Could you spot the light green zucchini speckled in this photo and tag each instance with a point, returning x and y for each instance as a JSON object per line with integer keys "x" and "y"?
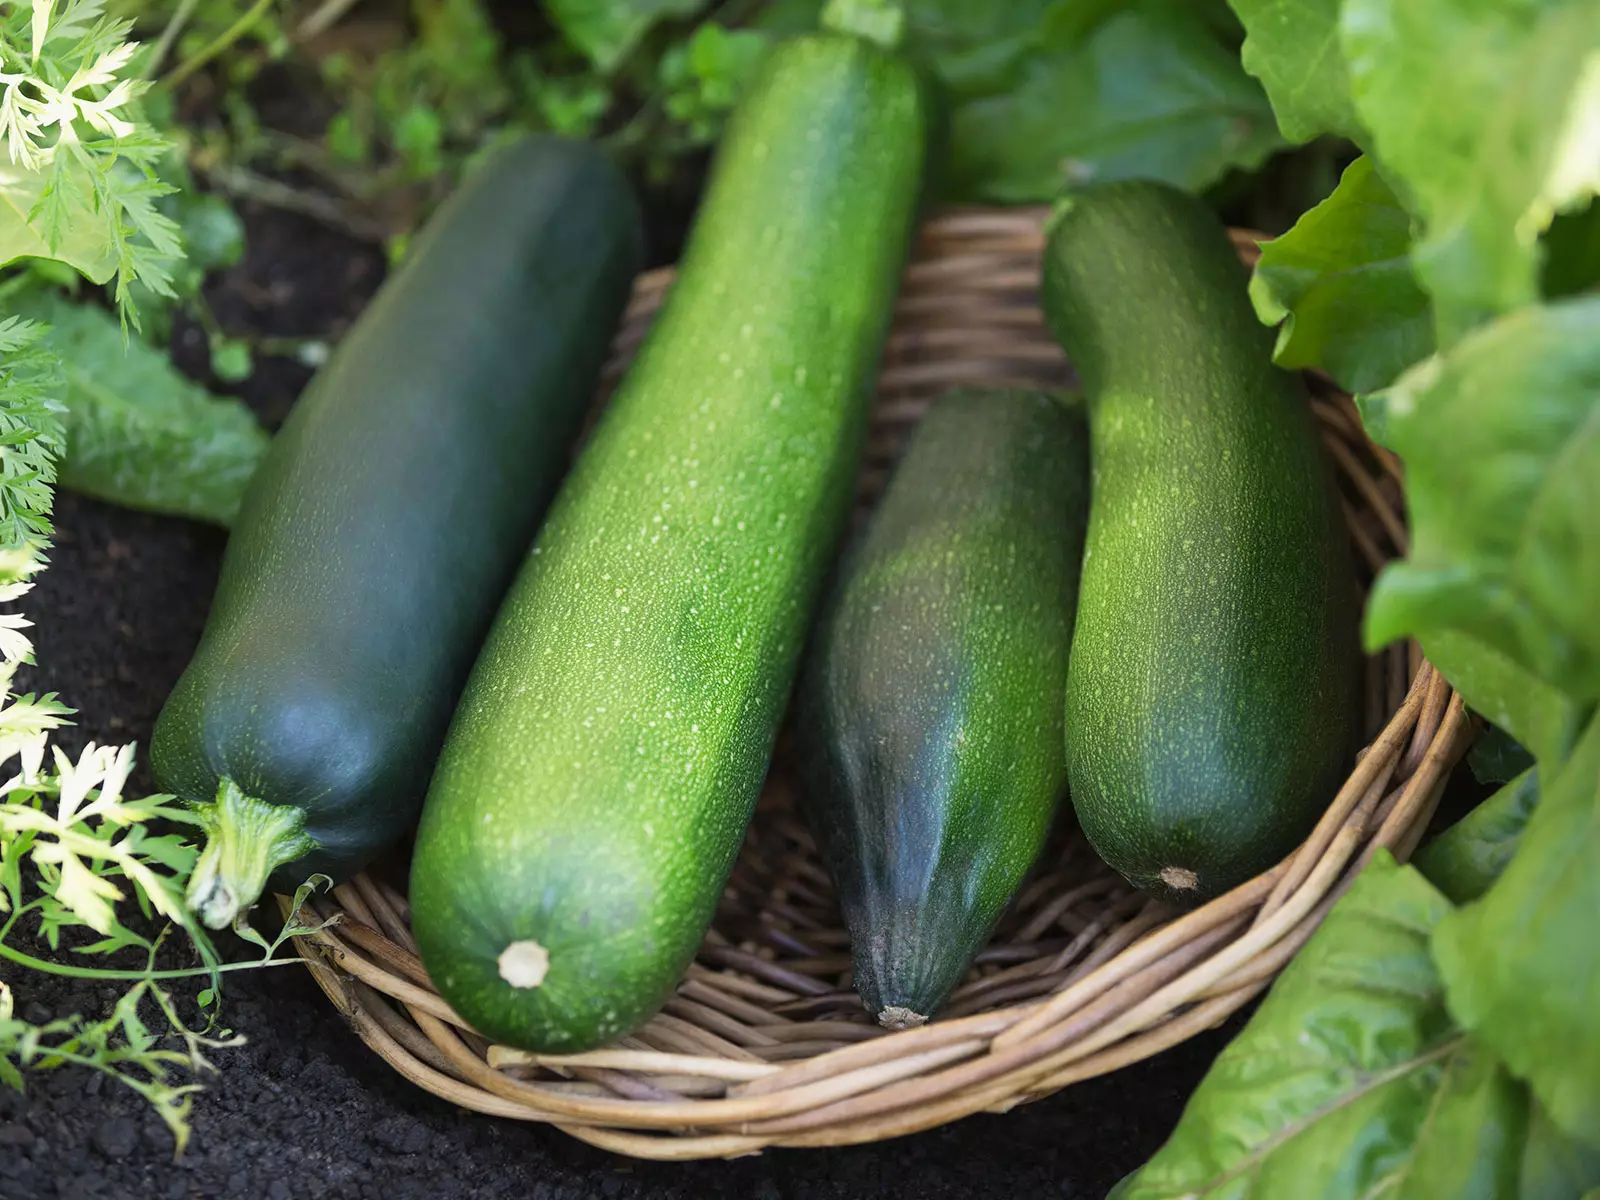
{"x": 1211, "y": 693}
{"x": 608, "y": 751}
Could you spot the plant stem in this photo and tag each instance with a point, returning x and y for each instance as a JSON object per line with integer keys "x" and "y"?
{"x": 169, "y": 35}
{"x": 54, "y": 968}
{"x": 246, "y": 841}
{"x": 227, "y": 38}
{"x": 324, "y": 18}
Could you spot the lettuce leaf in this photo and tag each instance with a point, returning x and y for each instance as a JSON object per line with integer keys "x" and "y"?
{"x": 1142, "y": 90}
{"x": 1501, "y": 438}
{"x": 1292, "y": 46}
{"x": 1522, "y": 965}
{"x": 1351, "y": 1075}
{"x": 1340, "y": 282}
{"x": 1483, "y": 116}
{"x": 1464, "y": 861}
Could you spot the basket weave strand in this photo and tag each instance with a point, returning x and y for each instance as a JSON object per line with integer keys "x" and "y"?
{"x": 764, "y": 1042}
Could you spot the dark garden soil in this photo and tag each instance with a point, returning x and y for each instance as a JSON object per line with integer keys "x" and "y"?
{"x": 304, "y": 1109}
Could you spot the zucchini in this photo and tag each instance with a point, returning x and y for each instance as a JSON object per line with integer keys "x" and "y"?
{"x": 930, "y": 717}
{"x": 1211, "y": 699}
{"x": 607, "y": 753}
{"x": 386, "y": 521}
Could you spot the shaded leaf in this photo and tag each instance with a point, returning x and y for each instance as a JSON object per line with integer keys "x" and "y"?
{"x": 1522, "y": 965}
{"x": 139, "y": 433}
{"x": 1341, "y": 284}
{"x": 1571, "y": 248}
{"x": 1506, "y": 548}
{"x": 1351, "y": 1075}
{"x": 607, "y": 30}
{"x": 1483, "y": 117}
{"x": 1292, "y": 46}
{"x": 1465, "y": 860}
{"x": 1147, "y": 92}
{"x": 1497, "y": 757}
{"x": 1554, "y": 1166}
{"x": 1510, "y": 697}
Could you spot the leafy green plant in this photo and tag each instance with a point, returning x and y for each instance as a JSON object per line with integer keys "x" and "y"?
{"x": 1351, "y": 1078}
{"x": 76, "y": 855}
{"x": 78, "y": 177}
{"x": 1472, "y": 1064}
{"x": 137, "y": 432}
{"x": 72, "y": 846}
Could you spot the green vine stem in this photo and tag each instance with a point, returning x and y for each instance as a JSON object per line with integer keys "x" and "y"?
{"x": 225, "y": 39}
{"x": 12, "y": 954}
{"x": 246, "y": 841}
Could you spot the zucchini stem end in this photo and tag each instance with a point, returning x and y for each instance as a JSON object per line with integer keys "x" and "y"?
{"x": 246, "y": 841}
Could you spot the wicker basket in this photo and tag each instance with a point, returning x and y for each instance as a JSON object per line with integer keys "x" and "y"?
{"x": 764, "y": 1042}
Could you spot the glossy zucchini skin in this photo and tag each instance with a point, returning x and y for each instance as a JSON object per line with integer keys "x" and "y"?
{"x": 1211, "y": 700}
{"x": 930, "y": 720}
{"x": 393, "y": 510}
{"x": 609, "y": 748}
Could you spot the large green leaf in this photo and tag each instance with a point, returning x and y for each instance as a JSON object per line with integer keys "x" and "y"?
{"x": 1464, "y": 861}
{"x": 1292, "y": 46}
{"x": 1484, "y": 116}
{"x": 84, "y": 244}
{"x": 1501, "y": 438}
{"x": 1522, "y": 965}
{"x": 1541, "y": 717}
{"x": 1350, "y": 1080}
{"x": 1147, "y": 91}
{"x": 1341, "y": 284}
{"x": 137, "y": 432}
{"x": 606, "y": 30}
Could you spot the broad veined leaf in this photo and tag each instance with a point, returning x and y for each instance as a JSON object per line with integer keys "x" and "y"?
{"x": 84, "y": 244}
{"x": 1486, "y": 117}
{"x": 606, "y": 30}
{"x": 1522, "y": 965}
{"x": 1541, "y": 717}
{"x": 1501, "y": 437}
{"x": 1148, "y": 91}
{"x": 1292, "y": 46}
{"x": 1350, "y": 1075}
{"x": 137, "y": 432}
{"x": 974, "y": 48}
{"x": 1464, "y": 861}
{"x": 1341, "y": 284}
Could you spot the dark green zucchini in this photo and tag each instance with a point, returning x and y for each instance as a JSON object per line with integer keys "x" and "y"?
{"x": 930, "y": 717}
{"x": 386, "y": 522}
{"x": 602, "y": 768}
{"x": 1211, "y": 700}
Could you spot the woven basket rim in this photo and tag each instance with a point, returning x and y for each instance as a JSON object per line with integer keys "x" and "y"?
{"x": 737, "y": 1062}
